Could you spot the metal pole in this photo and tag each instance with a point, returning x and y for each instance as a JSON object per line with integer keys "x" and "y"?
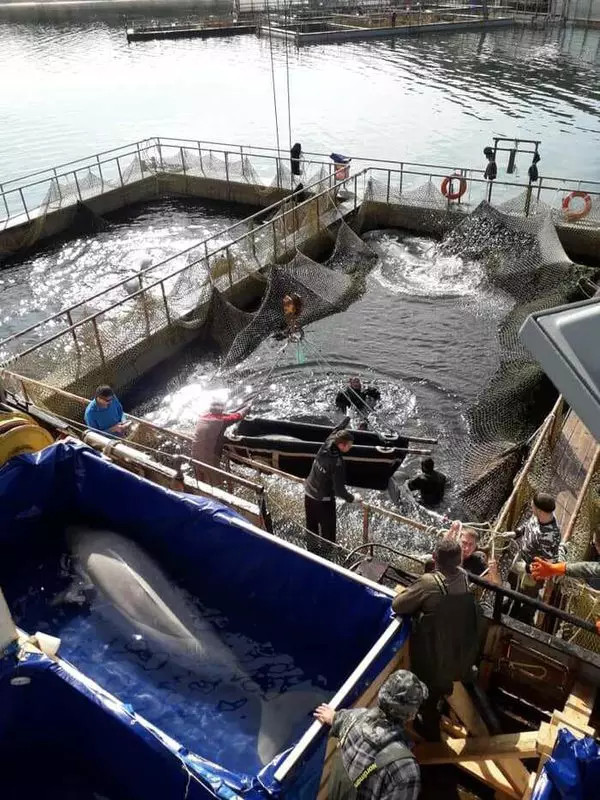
{"x": 274, "y": 240}
{"x": 5, "y": 203}
{"x": 164, "y": 295}
{"x": 120, "y": 173}
{"x": 366, "y": 515}
{"x": 228, "y": 257}
{"x": 401, "y": 177}
{"x": 182, "y": 160}
{"x": 200, "y": 156}
{"x": 72, "y": 326}
{"x": 143, "y": 299}
{"x": 355, "y": 192}
{"x": 227, "y": 167}
{"x": 98, "y": 342}
{"x": 24, "y": 203}
{"x": 387, "y": 196}
{"x": 77, "y": 187}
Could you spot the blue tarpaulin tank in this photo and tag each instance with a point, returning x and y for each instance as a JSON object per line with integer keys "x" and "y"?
{"x": 113, "y": 719}
{"x": 572, "y": 772}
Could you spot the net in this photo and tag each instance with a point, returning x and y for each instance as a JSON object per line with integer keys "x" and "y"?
{"x": 526, "y": 261}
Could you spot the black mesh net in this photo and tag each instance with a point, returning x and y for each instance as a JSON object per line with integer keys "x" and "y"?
{"x": 524, "y": 259}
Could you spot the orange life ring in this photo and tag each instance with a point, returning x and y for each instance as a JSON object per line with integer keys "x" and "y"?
{"x": 571, "y": 216}
{"x": 446, "y": 183}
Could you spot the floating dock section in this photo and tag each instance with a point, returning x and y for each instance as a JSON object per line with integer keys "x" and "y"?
{"x": 187, "y": 32}
{"x": 393, "y": 23}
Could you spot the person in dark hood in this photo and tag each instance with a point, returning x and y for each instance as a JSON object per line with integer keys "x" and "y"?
{"x": 373, "y": 760}
{"x": 295, "y": 158}
{"x": 326, "y": 481}
{"x": 430, "y": 483}
{"x": 355, "y": 395}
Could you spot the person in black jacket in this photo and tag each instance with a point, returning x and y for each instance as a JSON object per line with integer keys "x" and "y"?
{"x": 326, "y": 481}
{"x": 354, "y": 395}
{"x": 430, "y": 484}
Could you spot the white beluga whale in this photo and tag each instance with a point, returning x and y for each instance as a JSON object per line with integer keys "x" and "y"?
{"x": 136, "y": 597}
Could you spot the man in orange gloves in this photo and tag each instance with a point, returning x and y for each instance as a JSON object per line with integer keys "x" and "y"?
{"x": 588, "y": 571}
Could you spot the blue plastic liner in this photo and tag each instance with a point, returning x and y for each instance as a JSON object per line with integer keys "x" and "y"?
{"x": 326, "y": 619}
{"x": 573, "y": 770}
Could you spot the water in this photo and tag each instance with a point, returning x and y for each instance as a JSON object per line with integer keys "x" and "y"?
{"x": 425, "y": 329}
{"x": 70, "y": 270}
{"x": 213, "y": 713}
{"x": 74, "y": 88}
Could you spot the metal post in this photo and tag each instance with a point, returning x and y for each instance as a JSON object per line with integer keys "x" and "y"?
{"x": 100, "y": 169}
{"x": 200, "y": 156}
{"x": 228, "y": 257}
{"x": 5, "y": 203}
{"x": 274, "y": 240}
{"x": 387, "y": 197}
{"x": 120, "y": 173}
{"x": 498, "y": 602}
{"x": 140, "y": 159}
{"x": 366, "y": 516}
{"x": 24, "y": 203}
{"x": 77, "y": 186}
{"x": 528, "y": 200}
{"x": 401, "y": 177}
{"x": 539, "y": 191}
{"x": 71, "y": 325}
{"x": 164, "y": 295}
{"x": 182, "y": 160}
{"x": 98, "y": 342}
{"x": 355, "y": 192}
{"x": 227, "y": 167}
{"x": 143, "y": 300}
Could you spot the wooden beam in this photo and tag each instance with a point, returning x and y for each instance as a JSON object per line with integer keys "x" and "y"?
{"x": 480, "y": 748}
{"x": 561, "y": 720}
{"x": 489, "y": 773}
{"x": 580, "y": 704}
{"x": 546, "y": 739}
{"x": 460, "y": 702}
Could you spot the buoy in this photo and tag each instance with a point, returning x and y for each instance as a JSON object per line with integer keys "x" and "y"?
{"x": 447, "y": 183}
{"x": 572, "y": 216}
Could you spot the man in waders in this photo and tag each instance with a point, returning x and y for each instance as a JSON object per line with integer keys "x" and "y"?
{"x": 373, "y": 760}
{"x": 446, "y": 633}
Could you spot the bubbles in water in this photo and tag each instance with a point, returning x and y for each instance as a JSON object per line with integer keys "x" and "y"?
{"x": 412, "y": 265}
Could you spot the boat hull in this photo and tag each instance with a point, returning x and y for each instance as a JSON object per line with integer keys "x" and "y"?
{"x": 292, "y": 446}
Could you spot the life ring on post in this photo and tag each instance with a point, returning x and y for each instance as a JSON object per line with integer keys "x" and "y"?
{"x": 572, "y": 216}
{"x": 447, "y": 185}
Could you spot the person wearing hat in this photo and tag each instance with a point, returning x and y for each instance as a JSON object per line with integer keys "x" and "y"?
{"x": 373, "y": 758}
{"x": 325, "y": 482}
{"x": 538, "y": 537}
{"x": 105, "y": 413}
{"x": 209, "y": 436}
{"x": 354, "y": 395}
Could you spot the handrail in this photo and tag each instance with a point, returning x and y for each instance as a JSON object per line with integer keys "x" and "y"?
{"x": 160, "y": 141}
{"x": 146, "y": 270}
{"x": 160, "y": 281}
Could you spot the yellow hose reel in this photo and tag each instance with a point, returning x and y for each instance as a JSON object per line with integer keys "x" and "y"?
{"x": 20, "y": 433}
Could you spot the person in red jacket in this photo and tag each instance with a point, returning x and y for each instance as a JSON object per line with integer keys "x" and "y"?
{"x": 209, "y": 436}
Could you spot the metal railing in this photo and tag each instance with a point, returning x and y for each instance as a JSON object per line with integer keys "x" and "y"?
{"x": 23, "y": 197}
{"x": 274, "y": 239}
{"x": 33, "y": 195}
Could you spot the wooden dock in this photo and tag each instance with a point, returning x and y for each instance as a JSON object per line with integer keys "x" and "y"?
{"x": 187, "y": 32}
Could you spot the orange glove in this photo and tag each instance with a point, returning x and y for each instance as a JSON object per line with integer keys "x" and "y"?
{"x": 598, "y": 627}
{"x": 541, "y": 569}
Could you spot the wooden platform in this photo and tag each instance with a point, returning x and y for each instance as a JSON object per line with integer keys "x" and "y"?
{"x": 187, "y": 32}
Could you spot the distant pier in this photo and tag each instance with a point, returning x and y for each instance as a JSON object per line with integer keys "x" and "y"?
{"x": 205, "y": 31}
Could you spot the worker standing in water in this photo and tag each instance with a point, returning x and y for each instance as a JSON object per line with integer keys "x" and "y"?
{"x": 354, "y": 395}
{"x": 326, "y": 481}
{"x": 430, "y": 483}
{"x": 209, "y": 436}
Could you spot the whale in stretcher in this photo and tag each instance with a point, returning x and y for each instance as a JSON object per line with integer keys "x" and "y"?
{"x": 135, "y": 596}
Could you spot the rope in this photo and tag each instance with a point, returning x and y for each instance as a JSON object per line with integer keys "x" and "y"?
{"x": 273, "y": 80}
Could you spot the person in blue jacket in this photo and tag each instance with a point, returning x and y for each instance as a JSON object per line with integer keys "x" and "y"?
{"x": 105, "y": 413}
